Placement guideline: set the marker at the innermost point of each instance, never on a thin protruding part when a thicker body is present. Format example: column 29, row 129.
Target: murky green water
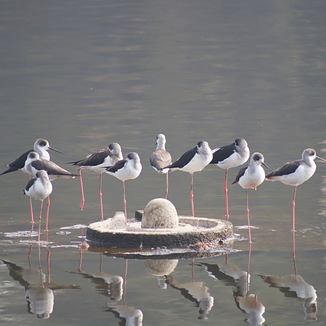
column 84, row 74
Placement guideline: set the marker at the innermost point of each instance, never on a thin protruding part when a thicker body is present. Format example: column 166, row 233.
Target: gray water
column 84, row 74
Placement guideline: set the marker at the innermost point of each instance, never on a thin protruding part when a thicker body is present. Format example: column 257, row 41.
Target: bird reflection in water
column 132, row 316
column 296, row 287
column 39, row 289
column 232, row 275
column 106, row 284
column 113, row 286
column 194, row 291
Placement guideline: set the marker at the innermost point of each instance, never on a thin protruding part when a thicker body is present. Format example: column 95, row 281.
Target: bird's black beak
column 320, row 158
column 267, row 167
column 55, row 150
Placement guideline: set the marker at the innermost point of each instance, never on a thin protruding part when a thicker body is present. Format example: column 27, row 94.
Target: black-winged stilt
column 160, row 158
column 193, row 160
column 39, row 188
column 95, row 162
column 251, row 176
column 34, row 164
column 127, row 169
column 41, row 146
column 230, row 156
column 295, row 173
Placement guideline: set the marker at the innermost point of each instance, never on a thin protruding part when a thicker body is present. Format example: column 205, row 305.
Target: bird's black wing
column 51, row 168
column 17, row 164
column 240, row 174
column 287, row 168
column 29, row 184
column 184, row 159
column 222, row 153
column 93, row 159
column 117, row 166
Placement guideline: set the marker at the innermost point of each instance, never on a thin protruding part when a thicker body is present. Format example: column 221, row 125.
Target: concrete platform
column 192, row 232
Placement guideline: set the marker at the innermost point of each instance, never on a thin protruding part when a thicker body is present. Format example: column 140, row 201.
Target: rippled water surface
column 84, row 74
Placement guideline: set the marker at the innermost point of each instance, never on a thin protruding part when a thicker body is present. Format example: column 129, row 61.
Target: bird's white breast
column 301, row 174
column 252, row 177
column 197, row 163
column 232, row 161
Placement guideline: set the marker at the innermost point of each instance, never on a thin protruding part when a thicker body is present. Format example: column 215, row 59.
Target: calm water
column 84, row 74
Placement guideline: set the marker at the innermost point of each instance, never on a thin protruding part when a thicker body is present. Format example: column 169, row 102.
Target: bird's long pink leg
column 192, row 194
column 31, row 205
column 124, row 201
column 293, row 253
column 226, row 195
column 293, row 208
column 47, row 214
column 31, row 210
column 166, row 185
column 48, row 260
column 39, row 222
column 248, row 217
column 82, row 202
column 101, row 197
column 125, row 281
column 248, row 268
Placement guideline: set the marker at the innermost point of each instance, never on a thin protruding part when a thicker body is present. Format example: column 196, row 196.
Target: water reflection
column 231, row 275
column 39, row 289
column 194, row 291
column 106, row 284
column 294, row 286
column 132, row 316
column 161, row 268
column 115, row 287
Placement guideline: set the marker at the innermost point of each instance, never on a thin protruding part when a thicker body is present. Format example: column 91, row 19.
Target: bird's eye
column 257, row 157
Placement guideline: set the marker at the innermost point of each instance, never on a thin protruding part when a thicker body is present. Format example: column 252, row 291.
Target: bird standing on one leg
column 161, row 158
column 193, row 160
column 34, row 164
column 39, row 188
column 41, row 146
column 251, row 176
column 227, row 157
column 95, row 162
column 124, row 170
column 295, row 173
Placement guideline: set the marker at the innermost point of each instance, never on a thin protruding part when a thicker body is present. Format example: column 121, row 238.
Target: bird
column 193, row 160
column 39, row 188
column 95, row 162
column 251, row 176
column 126, row 169
column 161, row 158
column 230, row 156
column 34, row 164
column 295, row 173
column 41, row 146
